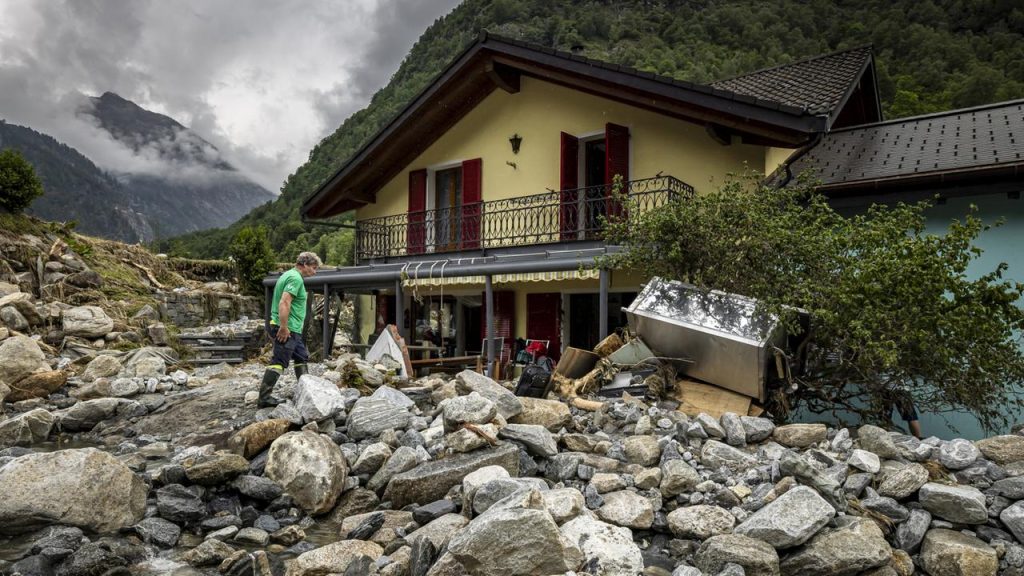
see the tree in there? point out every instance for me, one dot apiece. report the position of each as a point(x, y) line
point(253, 257)
point(19, 185)
point(892, 307)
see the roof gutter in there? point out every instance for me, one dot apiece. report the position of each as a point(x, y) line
point(788, 164)
point(313, 221)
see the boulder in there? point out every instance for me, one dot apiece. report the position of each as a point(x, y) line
point(958, 454)
point(371, 416)
point(756, 557)
point(19, 357)
point(431, 480)
point(393, 520)
point(629, 509)
point(865, 461)
point(11, 318)
point(903, 482)
point(537, 439)
point(371, 459)
point(850, 549)
point(643, 450)
point(215, 469)
point(333, 558)
point(102, 366)
point(37, 385)
point(255, 437)
point(158, 531)
point(1002, 450)
point(177, 503)
point(608, 548)
point(551, 414)
point(87, 321)
point(309, 467)
point(790, 520)
point(26, 429)
point(149, 366)
point(514, 542)
point(470, 409)
point(800, 435)
point(1013, 518)
point(677, 477)
point(208, 553)
point(563, 504)
point(84, 416)
point(402, 460)
point(877, 440)
point(756, 429)
point(715, 454)
point(440, 530)
point(951, 553)
point(958, 504)
point(508, 404)
point(317, 399)
point(76, 487)
point(700, 522)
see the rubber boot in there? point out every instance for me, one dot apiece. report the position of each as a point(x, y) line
point(267, 388)
point(300, 369)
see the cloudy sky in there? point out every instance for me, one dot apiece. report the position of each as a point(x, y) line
point(263, 80)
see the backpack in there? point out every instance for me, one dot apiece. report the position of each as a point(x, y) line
point(534, 382)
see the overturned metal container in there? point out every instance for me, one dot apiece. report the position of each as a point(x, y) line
point(729, 342)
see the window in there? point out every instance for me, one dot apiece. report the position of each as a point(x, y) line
point(448, 208)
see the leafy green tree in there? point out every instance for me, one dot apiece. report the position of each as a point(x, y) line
point(253, 256)
point(892, 306)
point(19, 185)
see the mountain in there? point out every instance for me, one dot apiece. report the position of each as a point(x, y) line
point(931, 55)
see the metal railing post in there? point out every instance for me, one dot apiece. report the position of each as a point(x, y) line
point(489, 298)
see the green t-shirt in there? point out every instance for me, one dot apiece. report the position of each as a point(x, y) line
point(290, 282)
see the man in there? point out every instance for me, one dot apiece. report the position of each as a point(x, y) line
point(287, 316)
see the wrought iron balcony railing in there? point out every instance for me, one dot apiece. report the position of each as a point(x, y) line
point(555, 216)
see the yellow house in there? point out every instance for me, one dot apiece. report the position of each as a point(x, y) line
point(479, 208)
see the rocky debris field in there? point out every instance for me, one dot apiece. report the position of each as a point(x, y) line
point(131, 467)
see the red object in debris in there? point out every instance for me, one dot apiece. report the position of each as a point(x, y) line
point(536, 349)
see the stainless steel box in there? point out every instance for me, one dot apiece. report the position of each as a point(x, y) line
point(728, 341)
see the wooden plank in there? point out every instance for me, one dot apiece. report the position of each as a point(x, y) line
point(697, 397)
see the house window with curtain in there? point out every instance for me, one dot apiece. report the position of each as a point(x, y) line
point(448, 208)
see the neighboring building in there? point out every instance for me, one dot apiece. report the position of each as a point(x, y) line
point(490, 186)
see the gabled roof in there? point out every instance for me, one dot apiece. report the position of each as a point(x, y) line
point(493, 62)
point(934, 150)
point(821, 84)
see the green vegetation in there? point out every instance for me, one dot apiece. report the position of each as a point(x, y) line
point(19, 185)
point(253, 258)
point(931, 55)
point(892, 307)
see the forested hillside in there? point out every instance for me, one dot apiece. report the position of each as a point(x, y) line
point(931, 55)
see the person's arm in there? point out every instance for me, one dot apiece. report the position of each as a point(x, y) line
point(284, 308)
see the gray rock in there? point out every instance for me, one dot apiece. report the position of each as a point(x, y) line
point(309, 467)
point(877, 440)
point(628, 509)
point(958, 454)
point(427, 513)
point(959, 504)
point(371, 459)
point(102, 366)
point(910, 533)
point(856, 483)
point(610, 549)
point(903, 482)
point(393, 396)
point(1013, 518)
point(865, 461)
point(757, 429)
point(828, 487)
point(537, 439)
point(92, 558)
point(19, 357)
point(214, 469)
point(84, 416)
point(317, 399)
point(26, 429)
point(886, 506)
point(789, 520)
point(643, 450)
point(252, 537)
point(735, 435)
point(369, 417)
point(1003, 450)
point(714, 455)
point(402, 460)
point(950, 553)
point(756, 557)
point(1012, 487)
point(800, 435)
point(490, 493)
point(431, 480)
point(467, 440)
point(179, 504)
point(514, 541)
point(258, 487)
point(710, 426)
point(472, 408)
point(86, 321)
point(850, 549)
point(158, 531)
point(700, 522)
point(563, 504)
point(507, 403)
point(334, 558)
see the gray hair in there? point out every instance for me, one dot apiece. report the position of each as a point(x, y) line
point(308, 259)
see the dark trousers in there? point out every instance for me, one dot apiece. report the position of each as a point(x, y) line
point(284, 353)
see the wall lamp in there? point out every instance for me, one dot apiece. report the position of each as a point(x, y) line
point(516, 140)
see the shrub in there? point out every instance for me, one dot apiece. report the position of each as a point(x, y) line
point(19, 185)
point(254, 259)
point(892, 306)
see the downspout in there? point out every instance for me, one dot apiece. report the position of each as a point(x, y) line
point(788, 164)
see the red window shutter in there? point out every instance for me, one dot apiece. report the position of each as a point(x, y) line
point(568, 183)
point(616, 161)
point(544, 320)
point(504, 320)
point(472, 213)
point(416, 237)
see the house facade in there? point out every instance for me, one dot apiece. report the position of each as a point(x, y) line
point(479, 209)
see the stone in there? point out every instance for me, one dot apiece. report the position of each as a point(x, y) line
point(208, 553)
point(82, 487)
point(147, 367)
point(910, 533)
point(157, 334)
point(642, 450)
point(352, 502)
point(26, 429)
point(563, 504)
point(19, 357)
point(711, 426)
point(537, 439)
point(609, 549)
point(431, 480)
point(735, 435)
point(958, 454)
point(756, 557)
point(13, 319)
point(516, 541)
point(802, 470)
point(700, 522)
point(790, 520)
point(1002, 450)
point(84, 416)
point(877, 440)
point(472, 409)
point(427, 513)
point(371, 459)
point(865, 461)
point(317, 399)
point(179, 504)
point(951, 553)
point(850, 549)
point(310, 468)
point(756, 429)
point(800, 435)
point(715, 454)
point(215, 469)
point(257, 487)
point(102, 366)
point(467, 440)
point(604, 482)
point(288, 535)
point(492, 492)
point(507, 403)
point(391, 520)
point(93, 558)
point(255, 437)
point(628, 509)
point(439, 531)
point(37, 385)
point(959, 504)
point(647, 478)
point(333, 558)
point(393, 396)
point(902, 483)
point(402, 460)
point(158, 531)
point(371, 416)
point(1013, 518)
point(87, 322)
point(677, 477)
point(551, 414)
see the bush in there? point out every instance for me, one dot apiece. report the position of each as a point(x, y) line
point(19, 185)
point(254, 259)
point(892, 307)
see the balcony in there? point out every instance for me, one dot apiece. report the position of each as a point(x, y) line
point(548, 218)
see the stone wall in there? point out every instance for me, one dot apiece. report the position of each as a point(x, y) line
point(199, 307)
